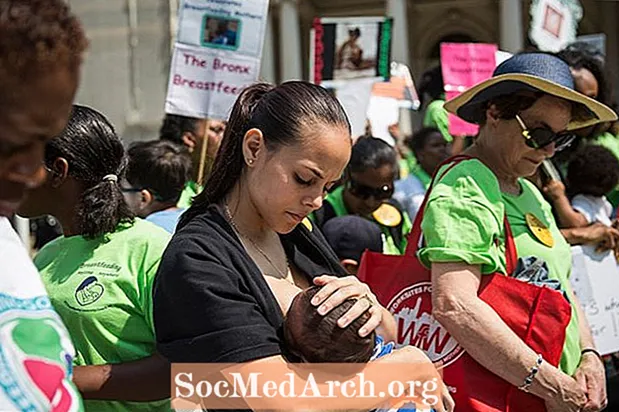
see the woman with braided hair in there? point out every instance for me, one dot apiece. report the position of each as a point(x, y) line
point(99, 274)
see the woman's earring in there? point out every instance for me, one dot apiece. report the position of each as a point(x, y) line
point(250, 161)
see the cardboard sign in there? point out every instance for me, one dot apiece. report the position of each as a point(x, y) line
point(595, 280)
point(463, 66)
point(205, 83)
point(237, 26)
point(554, 23)
point(217, 54)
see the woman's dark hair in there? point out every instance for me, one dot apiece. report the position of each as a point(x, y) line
point(283, 113)
point(431, 84)
point(319, 339)
point(593, 171)
point(371, 153)
point(175, 126)
point(160, 166)
point(419, 139)
point(508, 105)
point(579, 56)
point(93, 150)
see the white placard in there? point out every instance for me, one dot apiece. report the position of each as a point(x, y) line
point(205, 83)
point(217, 54)
point(234, 25)
point(382, 113)
point(554, 23)
point(595, 280)
point(354, 96)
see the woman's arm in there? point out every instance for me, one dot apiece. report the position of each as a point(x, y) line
point(142, 380)
point(596, 234)
point(567, 216)
point(484, 335)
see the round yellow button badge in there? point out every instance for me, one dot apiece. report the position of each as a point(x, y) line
point(539, 230)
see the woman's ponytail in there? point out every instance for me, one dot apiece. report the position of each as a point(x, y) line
point(96, 159)
point(229, 162)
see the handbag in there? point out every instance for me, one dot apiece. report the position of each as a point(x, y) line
point(538, 315)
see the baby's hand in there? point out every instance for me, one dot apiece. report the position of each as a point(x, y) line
point(555, 190)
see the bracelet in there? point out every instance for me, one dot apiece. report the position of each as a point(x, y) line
point(528, 381)
point(591, 350)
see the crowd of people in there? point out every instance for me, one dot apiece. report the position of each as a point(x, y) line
point(250, 254)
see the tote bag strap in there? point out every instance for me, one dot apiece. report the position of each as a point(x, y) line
point(511, 254)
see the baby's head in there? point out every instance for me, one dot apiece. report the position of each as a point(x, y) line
point(318, 339)
point(594, 171)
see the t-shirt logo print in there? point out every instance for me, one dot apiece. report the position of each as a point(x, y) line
point(89, 291)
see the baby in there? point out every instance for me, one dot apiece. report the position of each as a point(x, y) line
point(315, 338)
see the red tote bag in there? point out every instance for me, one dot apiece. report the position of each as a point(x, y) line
point(538, 315)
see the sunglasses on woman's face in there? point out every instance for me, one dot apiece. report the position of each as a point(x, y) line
point(540, 137)
point(365, 192)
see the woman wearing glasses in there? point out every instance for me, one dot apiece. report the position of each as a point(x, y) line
point(99, 275)
point(367, 191)
point(526, 112)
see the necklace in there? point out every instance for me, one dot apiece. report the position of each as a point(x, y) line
point(255, 245)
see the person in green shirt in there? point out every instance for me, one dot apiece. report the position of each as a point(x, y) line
point(190, 132)
point(367, 190)
point(526, 112)
point(100, 273)
point(431, 148)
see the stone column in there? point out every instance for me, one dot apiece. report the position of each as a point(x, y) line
point(267, 64)
point(512, 39)
point(290, 41)
point(399, 44)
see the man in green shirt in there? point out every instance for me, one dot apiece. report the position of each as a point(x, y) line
point(190, 132)
point(367, 191)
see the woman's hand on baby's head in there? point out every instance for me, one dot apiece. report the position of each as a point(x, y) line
point(334, 291)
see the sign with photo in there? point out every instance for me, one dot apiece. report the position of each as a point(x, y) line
point(350, 48)
point(554, 23)
point(463, 66)
point(217, 54)
point(231, 25)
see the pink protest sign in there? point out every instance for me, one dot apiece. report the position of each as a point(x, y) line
point(463, 66)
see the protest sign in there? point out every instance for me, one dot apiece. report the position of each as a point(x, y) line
point(217, 54)
point(463, 66)
point(390, 99)
point(227, 25)
point(554, 23)
point(205, 83)
point(595, 280)
point(350, 48)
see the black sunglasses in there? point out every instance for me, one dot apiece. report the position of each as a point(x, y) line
point(540, 137)
point(365, 192)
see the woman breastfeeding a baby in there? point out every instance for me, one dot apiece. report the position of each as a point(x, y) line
point(245, 249)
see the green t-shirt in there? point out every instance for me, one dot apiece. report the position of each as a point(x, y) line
point(191, 190)
point(465, 214)
point(436, 116)
point(336, 200)
point(407, 164)
point(102, 290)
point(422, 175)
point(611, 142)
